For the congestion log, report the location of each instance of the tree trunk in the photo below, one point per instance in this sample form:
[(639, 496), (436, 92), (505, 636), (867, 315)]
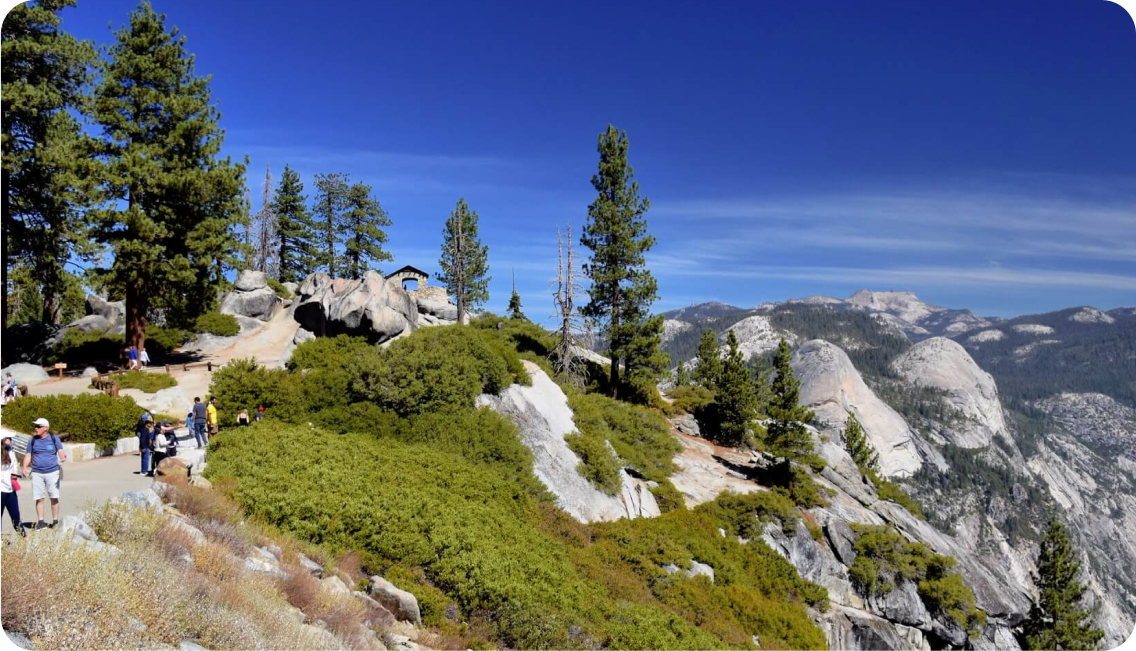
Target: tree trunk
[(136, 300), (612, 344), (460, 264)]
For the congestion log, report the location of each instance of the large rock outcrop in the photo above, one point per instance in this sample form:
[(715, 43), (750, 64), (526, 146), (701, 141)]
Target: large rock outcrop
[(113, 311), (757, 336), (832, 387), (251, 297), (943, 364), (542, 414), (369, 307), (25, 374)]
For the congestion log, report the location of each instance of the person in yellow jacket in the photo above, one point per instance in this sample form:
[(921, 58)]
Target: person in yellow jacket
[(211, 416)]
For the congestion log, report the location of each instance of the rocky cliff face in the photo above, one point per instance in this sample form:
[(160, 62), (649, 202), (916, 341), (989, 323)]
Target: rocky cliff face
[(542, 414), (369, 307), (944, 365), (832, 387)]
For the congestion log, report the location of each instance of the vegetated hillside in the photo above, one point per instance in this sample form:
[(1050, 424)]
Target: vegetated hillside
[(442, 500), (1078, 350)]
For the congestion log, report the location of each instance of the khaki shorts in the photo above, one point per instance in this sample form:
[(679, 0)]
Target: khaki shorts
[(212, 429), (45, 484)]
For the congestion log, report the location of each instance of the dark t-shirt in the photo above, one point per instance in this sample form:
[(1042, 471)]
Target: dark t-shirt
[(144, 435), (199, 413), (44, 453)]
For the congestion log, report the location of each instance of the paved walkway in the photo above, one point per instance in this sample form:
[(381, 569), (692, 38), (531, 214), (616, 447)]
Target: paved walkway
[(89, 483)]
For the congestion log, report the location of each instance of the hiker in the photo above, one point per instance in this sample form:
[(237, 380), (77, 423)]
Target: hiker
[(9, 485), (211, 412), (259, 413), (45, 453), (143, 358), (132, 355), (243, 418), (165, 443), (200, 417), (11, 391), (145, 431), (189, 422)]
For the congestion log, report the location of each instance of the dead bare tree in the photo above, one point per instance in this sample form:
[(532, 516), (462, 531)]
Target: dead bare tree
[(249, 253), (566, 358), (266, 230)]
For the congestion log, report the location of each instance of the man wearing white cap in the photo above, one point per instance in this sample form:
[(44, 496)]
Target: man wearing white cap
[(45, 453)]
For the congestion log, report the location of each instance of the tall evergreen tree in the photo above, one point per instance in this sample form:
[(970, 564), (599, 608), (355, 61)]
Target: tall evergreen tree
[(363, 224), (622, 288), (172, 203), (734, 395), (709, 360), (330, 201), (464, 261), (47, 174), (681, 376), (858, 446), (515, 303), (786, 434), (1057, 620), (644, 361), (295, 233)]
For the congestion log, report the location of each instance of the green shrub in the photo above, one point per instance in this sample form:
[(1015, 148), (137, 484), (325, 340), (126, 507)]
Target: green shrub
[(884, 557), (215, 323), (668, 497), (888, 490), (278, 287), (242, 384), (464, 532), (598, 463), (691, 397), (85, 418), (162, 339), (743, 514), (435, 369), (143, 381), (523, 336), (640, 437), (328, 352)]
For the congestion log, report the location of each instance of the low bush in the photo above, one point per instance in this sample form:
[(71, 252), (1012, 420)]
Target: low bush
[(328, 352), (517, 568), (278, 287), (598, 463), (433, 370), (889, 490), (884, 557), (668, 497), (215, 323), (744, 514), (84, 418), (523, 336), (242, 384), (145, 382), (690, 398), (161, 339), (641, 438)]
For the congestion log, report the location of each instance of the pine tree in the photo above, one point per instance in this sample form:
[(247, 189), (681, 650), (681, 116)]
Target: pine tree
[(330, 200), (295, 234), (464, 260), (734, 395), (47, 173), (709, 360), (786, 434), (681, 378), (172, 203), (644, 360), (622, 288), (858, 446), (515, 303), (363, 224), (1057, 620)]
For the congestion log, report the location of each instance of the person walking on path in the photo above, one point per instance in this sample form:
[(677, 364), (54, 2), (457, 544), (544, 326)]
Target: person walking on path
[(8, 470), (211, 412), (145, 430), (143, 358), (45, 453), (200, 418), (132, 355)]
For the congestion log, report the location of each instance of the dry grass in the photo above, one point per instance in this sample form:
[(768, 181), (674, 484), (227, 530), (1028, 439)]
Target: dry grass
[(205, 505), (351, 564), (66, 595)]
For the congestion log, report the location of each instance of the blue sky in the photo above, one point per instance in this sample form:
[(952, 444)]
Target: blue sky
[(979, 154)]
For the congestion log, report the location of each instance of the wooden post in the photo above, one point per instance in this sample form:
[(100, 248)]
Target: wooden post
[(209, 366)]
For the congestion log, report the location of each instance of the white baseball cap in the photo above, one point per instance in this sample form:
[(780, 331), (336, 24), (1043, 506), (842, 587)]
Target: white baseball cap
[(41, 422)]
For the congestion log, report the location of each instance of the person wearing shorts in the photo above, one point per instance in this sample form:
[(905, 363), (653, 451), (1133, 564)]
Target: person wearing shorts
[(211, 413), (44, 456)]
